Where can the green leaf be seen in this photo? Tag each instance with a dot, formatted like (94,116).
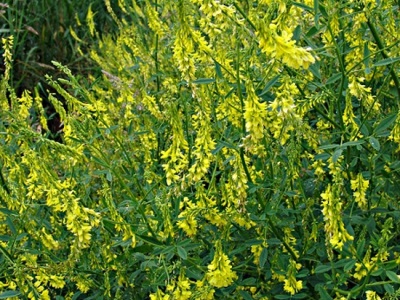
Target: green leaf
(374,143)
(270,84)
(330,146)
(263,257)
(313,31)
(150,240)
(249,281)
(336,155)
(389,288)
(76,295)
(221,145)
(322,292)
(100,161)
(352,143)
(203,81)
(316,13)
(245,295)
(341,263)
(349,265)
(109,175)
(323,11)
(393,276)
(386,61)
(194,273)
(385,123)
(315,70)
(10,224)
(9,294)
(301,296)
(303,6)
(333,78)
(297,33)
(322,156)
(322,269)
(377,272)
(182,252)
(8,212)
(218,70)
(5,238)
(366,56)
(360,248)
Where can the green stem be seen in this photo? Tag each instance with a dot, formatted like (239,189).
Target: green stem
(325,116)
(240,10)
(128,190)
(342,80)
(382,47)
(269,221)
(6,254)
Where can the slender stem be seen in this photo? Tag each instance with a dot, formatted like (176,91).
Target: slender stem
(342,80)
(6,254)
(382,47)
(240,10)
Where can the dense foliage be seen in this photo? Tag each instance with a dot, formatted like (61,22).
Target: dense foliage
(230,150)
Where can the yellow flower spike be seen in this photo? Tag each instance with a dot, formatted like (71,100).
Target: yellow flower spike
(255,115)
(56,281)
(48,240)
(154,21)
(90,20)
(292,285)
(282,47)
(220,272)
(181,290)
(8,46)
(336,233)
(188,224)
(360,185)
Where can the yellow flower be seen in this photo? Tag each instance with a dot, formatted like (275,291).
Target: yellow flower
(203,291)
(188,224)
(255,114)
(182,290)
(56,281)
(48,240)
(334,226)
(283,47)
(90,20)
(159,295)
(292,285)
(83,284)
(371,295)
(365,266)
(220,272)
(360,185)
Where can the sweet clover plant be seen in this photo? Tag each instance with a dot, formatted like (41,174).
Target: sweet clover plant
(230,150)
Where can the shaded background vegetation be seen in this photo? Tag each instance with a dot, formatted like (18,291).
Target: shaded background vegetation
(42,33)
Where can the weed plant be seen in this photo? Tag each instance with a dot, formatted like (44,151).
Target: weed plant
(230,150)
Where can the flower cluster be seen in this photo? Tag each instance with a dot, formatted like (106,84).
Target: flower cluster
(281,46)
(220,273)
(336,233)
(360,185)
